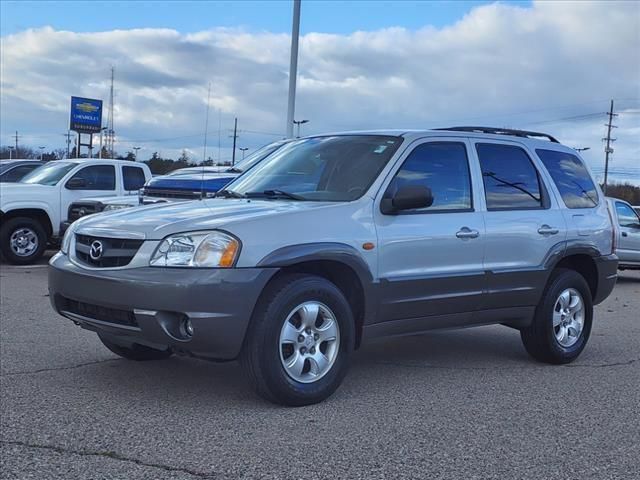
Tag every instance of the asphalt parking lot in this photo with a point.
(465, 404)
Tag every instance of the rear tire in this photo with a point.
(562, 322)
(299, 342)
(136, 352)
(22, 240)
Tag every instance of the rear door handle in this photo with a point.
(547, 230)
(466, 232)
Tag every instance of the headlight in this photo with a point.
(66, 239)
(115, 206)
(197, 249)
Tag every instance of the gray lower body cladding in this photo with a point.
(150, 305)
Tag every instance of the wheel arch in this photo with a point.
(339, 263)
(39, 214)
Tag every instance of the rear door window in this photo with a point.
(511, 182)
(133, 178)
(571, 178)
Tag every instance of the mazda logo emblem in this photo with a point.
(96, 250)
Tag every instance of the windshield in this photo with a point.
(49, 174)
(255, 157)
(336, 169)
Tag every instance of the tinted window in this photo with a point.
(626, 216)
(97, 177)
(133, 178)
(442, 167)
(571, 178)
(17, 173)
(510, 179)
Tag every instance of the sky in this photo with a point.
(548, 66)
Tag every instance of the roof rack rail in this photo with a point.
(501, 131)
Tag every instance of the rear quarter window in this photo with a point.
(571, 178)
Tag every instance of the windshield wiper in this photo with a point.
(233, 170)
(229, 194)
(275, 194)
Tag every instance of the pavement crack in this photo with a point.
(53, 369)
(110, 455)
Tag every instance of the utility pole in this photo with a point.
(235, 136)
(608, 150)
(110, 132)
(16, 136)
(293, 67)
(68, 135)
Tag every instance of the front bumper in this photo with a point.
(149, 305)
(607, 267)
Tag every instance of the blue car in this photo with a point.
(200, 182)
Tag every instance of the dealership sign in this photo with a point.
(86, 115)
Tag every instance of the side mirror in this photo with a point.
(76, 183)
(408, 197)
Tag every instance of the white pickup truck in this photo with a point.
(32, 212)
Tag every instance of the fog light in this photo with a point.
(188, 326)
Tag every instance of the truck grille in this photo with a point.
(79, 210)
(96, 312)
(175, 194)
(103, 252)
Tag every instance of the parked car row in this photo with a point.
(42, 202)
(335, 240)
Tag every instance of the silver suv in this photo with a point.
(342, 238)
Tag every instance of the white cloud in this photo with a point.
(501, 65)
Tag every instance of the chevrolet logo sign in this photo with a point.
(87, 107)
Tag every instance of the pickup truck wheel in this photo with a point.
(22, 240)
(563, 319)
(135, 352)
(298, 345)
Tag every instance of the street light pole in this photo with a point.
(136, 154)
(243, 149)
(11, 153)
(582, 149)
(100, 152)
(41, 151)
(293, 67)
(298, 123)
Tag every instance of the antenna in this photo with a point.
(206, 125)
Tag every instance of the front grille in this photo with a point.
(166, 193)
(116, 252)
(79, 210)
(97, 312)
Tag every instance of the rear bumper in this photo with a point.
(607, 267)
(149, 305)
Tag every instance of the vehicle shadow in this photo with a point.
(192, 382)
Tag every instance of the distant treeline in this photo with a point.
(624, 191)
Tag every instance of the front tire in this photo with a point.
(136, 352)
(563, 319)
(299, 342)
(22, 240)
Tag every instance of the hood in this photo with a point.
(209, 182)
(10, 192)
(158, 221)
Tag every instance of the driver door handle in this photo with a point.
(466, 232)
(547, 230)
